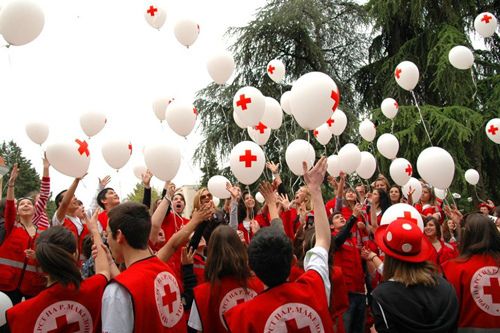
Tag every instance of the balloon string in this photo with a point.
(326, 154)
(295, 183)
(227, 129)
(280, 148)
(421, 117)
(452, 198)
(473, 82)
(119, 183)
(336, 144)
(392, 126)
(477, 195)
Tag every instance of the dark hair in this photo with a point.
(59, 197)
(497, 212)
(54, 252)
(102, 195)
(87, 246)
(399, 190)
(447, 233)
(270, 255)
(479, 236)
(428, 219)
(242, 209)
(227, 256)
(134, 221)
(384, 201)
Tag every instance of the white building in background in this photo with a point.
(189, 192)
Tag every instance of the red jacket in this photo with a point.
(16, 270)
(103, 219)
(477, 283)
(61, 309)
(213, 301)
(446, 253)
(347, 257)
(288, 307)
(155, 295)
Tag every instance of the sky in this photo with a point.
(95, 55)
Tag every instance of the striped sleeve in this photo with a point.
(40, 218)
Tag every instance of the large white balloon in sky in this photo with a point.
(21, 21)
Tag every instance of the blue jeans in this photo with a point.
(354, 317)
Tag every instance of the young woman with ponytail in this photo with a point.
(69, 303)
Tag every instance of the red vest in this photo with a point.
(16, 270)
(79, 237)
(477, 283)
(299, 306)
(213, 301)
(103, 219)
(199, 268)
(155, 295)
(61, 309)
(348, 258)
(290, 222)
(447, 252)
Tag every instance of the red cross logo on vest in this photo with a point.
(271, 69)
(493, 130)
(330, 122)
(486, 18)
(169, 298)
(130, 148)
(336, 99)
(493, 290)
(291, 326)
(62, 322)
(83, 147)
(409, 170)
(485, 289)
(248, 158)
(152, 10)
(261, 128)
(243, 101)
(398, 73)
(294, 317)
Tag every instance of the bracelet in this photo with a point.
(374, 256)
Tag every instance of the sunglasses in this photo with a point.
(206, 196)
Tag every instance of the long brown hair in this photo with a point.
(410, 273)
(54, 252)
(479, 236)
(227, 256)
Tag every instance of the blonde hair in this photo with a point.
(410, 273)
(196, 199)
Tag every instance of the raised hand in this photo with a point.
(104, 182)
(187, 256)
(274, 168)
(233, 190)
(314, 177)
(13, 175)
(146, 178)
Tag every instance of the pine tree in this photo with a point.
(137, 194)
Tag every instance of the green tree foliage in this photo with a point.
(138, 193)
(319, 35)
(455, 104)
(28, 179)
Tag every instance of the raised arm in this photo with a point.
(314, 178)
(68, 196)
(101, 261)
(160, 212)
(10, 207)
(233, 206)
(41, 203)
(146, 181)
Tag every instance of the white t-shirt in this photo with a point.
(316, 259)
(76, 221)
(117, 310)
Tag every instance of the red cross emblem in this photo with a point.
(396, 105)
(130, 148)
(315, 133)
(243, 101)
(152, 10)
(486, 18)
(409, 170)
(493, 130)
(330, 122)
(291, 326)
(271, 69)
(398, 73)
(169, 298)
(336, 99)
(83, 147)
(493, 290)
(195, 111)
(260, 127)
(248, 158)
(62, 322)
(407, 217)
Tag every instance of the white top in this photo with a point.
(76, 221)
(316, 259)
(117, 310)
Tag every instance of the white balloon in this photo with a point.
(69, 158)
(238, 121)
(273, 115)
(216, 201)
(314, 97)
(163, 160)
(406, 75)
(186, 31)
(181, 117)
(415, 184)
(139, 170)
(221, 66)
(92, 123)
(333, 167)
(492, 130)
(285, 102)
(367, 130)
(160, 107)
(367, 166)
(259, 134)
(338, 123)
(116, 152)
(21, 21)
(247, 162)
(276, 70)
(440, 194)
(323, 134)
(259, 197)
(250, 105)
(401, 171)
(217, 186)
(402, 211)
(37, 132)
(155, 16)
(436, 166)
(5, 304)
(461, 57)
(456, 195)
(297, 152)
(485, 24)
(472, 176)
(350, 158)
(388, 145)
(389, 108)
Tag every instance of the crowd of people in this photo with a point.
(300, 265)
